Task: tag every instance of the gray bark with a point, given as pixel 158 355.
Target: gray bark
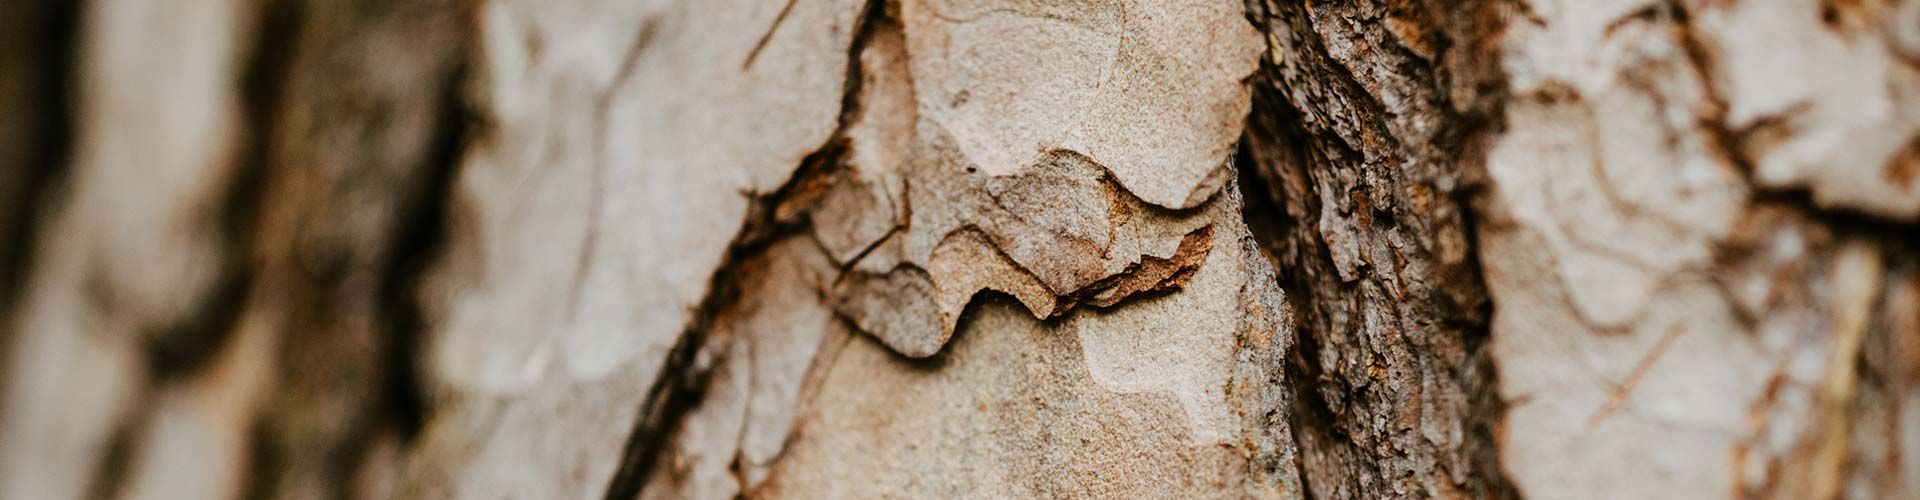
pixel 972 249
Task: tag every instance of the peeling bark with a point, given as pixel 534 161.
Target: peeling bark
pixel 1633 215
pixel 996 248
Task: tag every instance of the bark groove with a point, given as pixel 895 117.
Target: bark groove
pixel 1367 118
pixel 621 250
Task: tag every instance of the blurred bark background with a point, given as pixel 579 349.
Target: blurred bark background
pixel 312 249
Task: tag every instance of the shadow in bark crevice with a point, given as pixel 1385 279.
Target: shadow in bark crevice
pixel 689 366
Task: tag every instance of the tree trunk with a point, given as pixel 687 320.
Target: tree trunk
pixel 959 249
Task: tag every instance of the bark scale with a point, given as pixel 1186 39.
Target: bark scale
pixel 859 248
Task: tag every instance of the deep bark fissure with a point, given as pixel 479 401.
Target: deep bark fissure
pixel 181 349
pixel 47 35
pixel 418 241
pixel 1439 310
pixel 263 87
pixel 1266 220
pixel 689 365
pixel 349 326
pixel 1364 167
pixel 1478 375
pixel 110 473
pixel 56 25
pixel 1888 232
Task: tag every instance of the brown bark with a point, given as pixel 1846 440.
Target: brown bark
pixel 1367 119
pixel 991 248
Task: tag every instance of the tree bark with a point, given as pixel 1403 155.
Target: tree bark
pixel 961 249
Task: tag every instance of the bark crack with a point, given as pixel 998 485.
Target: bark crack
pixel 50 39
pixel 1617 398
pixel 778 19
pixel 1374 236
pixel 690 363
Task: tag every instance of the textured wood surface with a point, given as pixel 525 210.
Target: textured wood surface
pixel 668 249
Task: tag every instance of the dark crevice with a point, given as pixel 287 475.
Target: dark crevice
pixel 262 87
pixel 40 56
pixel 1478 376
pixel 1889 232
pixel 1401 192
pixel 683 379
pixel 48 34
pixel 263 463
pixel 348 348
pixel 1274 135
pixel 689 366
pixel 183 348
pixel 187 347
pixel 114 468
pixel 40 52
pixel 1265 216
pixel 418 241
pixel 1274 130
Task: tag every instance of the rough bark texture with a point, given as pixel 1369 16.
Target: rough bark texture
pixel 1367 117
pixel 609 250
pixel 1684 252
